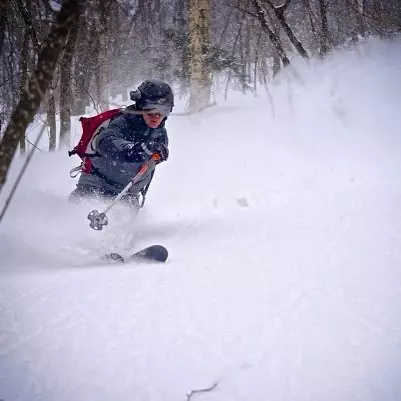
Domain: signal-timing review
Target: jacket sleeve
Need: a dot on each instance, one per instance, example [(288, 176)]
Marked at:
[(162, 137), (111, 142), (142, 151), (113, 145)]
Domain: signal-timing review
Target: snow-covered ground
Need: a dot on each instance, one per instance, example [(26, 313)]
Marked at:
[(284, 276)]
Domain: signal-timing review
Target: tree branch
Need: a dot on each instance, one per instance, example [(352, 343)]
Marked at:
[(280, 9), (241, 9), (21, 174), (263, 18), (279, 13)]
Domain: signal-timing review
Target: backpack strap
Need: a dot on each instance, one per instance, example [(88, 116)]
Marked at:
[(82, 155), (75, 171), (84, 167)]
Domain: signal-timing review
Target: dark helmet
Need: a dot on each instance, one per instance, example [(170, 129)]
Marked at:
[(153, 92)]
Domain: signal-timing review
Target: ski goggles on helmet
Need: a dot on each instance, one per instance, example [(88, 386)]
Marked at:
[(154, 108)]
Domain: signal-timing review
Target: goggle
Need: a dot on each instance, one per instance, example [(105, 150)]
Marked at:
[(153, 108)]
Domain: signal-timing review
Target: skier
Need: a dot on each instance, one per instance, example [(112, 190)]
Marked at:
[(129, 140)]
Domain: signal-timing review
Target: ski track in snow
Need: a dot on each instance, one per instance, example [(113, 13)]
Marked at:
[(283, 281)]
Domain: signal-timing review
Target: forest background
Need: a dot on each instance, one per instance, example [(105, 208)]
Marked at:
[(66, 56)]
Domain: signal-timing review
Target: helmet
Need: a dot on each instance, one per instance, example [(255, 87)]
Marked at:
[(153, 92)]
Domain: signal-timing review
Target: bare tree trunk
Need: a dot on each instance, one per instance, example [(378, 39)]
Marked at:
[(241, 21), (65, 87), (311, 18), (102, 71), (256, 64), (3, 22), (276, 56), (324, 33), (101, 74), (279, 13), (263, 18), (23, 78), (38, 85), (199, 45), (360, 15), (25, 10), (380, 17), (84, 65), (51, 119)]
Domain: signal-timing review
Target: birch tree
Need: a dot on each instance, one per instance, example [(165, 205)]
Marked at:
[(199, 46)]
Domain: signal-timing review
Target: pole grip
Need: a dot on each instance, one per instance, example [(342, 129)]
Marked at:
[(145, 167)]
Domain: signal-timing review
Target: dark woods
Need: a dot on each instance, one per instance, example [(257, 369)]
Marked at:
[(103, 48)]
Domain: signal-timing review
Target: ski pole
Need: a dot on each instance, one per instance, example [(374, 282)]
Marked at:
[(99, 219)]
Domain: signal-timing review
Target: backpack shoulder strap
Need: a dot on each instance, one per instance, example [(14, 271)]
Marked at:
[(90, 126)]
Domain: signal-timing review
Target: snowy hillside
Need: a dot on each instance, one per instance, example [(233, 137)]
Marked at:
[(284, 278)]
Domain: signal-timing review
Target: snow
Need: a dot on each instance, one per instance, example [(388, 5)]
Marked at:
[(284, 233)]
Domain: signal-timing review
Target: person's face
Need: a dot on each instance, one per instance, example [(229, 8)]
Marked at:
[(153, 120)]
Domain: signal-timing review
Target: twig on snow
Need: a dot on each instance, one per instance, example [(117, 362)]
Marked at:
[(202, 390)]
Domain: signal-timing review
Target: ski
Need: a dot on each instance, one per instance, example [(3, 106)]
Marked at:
[(155, 253)]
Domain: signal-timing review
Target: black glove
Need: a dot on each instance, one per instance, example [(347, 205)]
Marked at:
[(140, 152), (159, 148)]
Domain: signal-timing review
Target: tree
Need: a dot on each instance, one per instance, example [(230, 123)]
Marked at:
[(38, 84), (263, 18), (324, 31), (279, 13), (102, 70), (199, 45), (51, 118), (65, 85), (3, 22)]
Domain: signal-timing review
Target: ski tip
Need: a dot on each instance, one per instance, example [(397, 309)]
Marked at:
[(156, 253), (161, 252), (153, 253)]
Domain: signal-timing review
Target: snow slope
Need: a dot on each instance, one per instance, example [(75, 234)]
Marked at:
[(284, 277)]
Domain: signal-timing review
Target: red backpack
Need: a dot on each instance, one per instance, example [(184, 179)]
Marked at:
[(86, 147)]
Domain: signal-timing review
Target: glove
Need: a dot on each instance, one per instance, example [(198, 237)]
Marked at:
[(140, 152), (159, 148)]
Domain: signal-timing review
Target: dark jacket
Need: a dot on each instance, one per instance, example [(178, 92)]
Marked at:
[(112, 169)]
